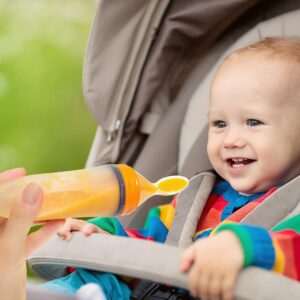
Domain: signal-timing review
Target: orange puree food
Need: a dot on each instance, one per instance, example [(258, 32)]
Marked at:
[(79, 204), (172, 184)]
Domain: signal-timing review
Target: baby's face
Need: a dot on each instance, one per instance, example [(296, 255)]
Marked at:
[(254, 122)]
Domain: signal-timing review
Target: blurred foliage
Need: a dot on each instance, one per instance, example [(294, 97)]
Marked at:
[(45, 125)]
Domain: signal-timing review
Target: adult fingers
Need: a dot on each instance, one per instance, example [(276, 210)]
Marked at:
[(11, 174), (36, 239), (2, 220), (23, 214)]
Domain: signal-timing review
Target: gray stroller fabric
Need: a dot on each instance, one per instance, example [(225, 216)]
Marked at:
[(129, 97), (188, 209), (118, 61), (119, 43)]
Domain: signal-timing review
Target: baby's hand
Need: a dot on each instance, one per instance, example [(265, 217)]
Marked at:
[(213, 264), (71, 225)]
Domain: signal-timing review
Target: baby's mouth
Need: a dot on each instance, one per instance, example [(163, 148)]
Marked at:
[(239, 162)]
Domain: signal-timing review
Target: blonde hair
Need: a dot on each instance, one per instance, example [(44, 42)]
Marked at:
[(285, 48)]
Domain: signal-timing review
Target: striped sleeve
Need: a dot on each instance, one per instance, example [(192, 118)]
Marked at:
[(286, 241), (275, 250), (111, 225), (156, 227)]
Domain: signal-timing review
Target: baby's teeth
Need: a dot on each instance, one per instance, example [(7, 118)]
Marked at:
[(237, 165), (238, 159)]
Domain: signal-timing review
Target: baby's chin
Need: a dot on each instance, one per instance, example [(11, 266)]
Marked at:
[(248, 184), (248, 187)]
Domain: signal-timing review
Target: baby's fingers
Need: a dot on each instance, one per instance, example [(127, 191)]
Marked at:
[(91, 228), (198, 284), (70, 225), (227, 287), (187, 259), (214, 288), (65, 235), (88, 229)]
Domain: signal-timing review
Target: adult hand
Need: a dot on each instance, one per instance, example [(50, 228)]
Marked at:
[(15, 244)]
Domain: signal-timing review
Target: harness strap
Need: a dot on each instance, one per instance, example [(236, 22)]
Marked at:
[(188, 210), (281, 205)]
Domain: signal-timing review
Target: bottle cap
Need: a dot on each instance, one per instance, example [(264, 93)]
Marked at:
[(132, 189)]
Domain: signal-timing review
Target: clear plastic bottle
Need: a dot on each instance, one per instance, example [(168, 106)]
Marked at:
[(106, 190)]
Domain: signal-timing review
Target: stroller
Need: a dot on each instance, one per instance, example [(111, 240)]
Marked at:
[(146, 77)]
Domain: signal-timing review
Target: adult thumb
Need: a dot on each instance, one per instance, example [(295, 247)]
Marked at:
[(23, 213)]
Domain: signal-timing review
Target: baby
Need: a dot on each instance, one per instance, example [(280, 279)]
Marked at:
[(253, 146)]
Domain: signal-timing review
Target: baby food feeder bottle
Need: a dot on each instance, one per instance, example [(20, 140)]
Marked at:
[(106, 190)]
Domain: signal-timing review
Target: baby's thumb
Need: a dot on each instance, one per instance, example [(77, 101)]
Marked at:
[(187, 259), (23, 214)]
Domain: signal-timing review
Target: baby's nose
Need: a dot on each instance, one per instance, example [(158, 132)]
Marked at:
[(234, 140)]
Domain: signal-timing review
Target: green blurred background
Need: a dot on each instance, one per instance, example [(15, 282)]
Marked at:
[(44, 123)]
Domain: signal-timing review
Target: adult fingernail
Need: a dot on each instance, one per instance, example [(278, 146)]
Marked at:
[(31, 194)]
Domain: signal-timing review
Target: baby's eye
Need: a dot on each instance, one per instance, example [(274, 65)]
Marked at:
[(219, 124), (253, 122)]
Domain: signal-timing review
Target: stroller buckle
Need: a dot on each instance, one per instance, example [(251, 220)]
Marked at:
[(148, 290)]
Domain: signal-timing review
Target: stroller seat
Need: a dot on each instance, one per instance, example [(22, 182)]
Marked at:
[(180, 123)]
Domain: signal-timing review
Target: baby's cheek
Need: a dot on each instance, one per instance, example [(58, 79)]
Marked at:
[(219, 167), (214, 156), (269, 153), (212, 151), (275, 167)]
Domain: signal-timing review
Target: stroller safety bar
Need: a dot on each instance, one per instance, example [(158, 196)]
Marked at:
[(118, 255), (147, 260)]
